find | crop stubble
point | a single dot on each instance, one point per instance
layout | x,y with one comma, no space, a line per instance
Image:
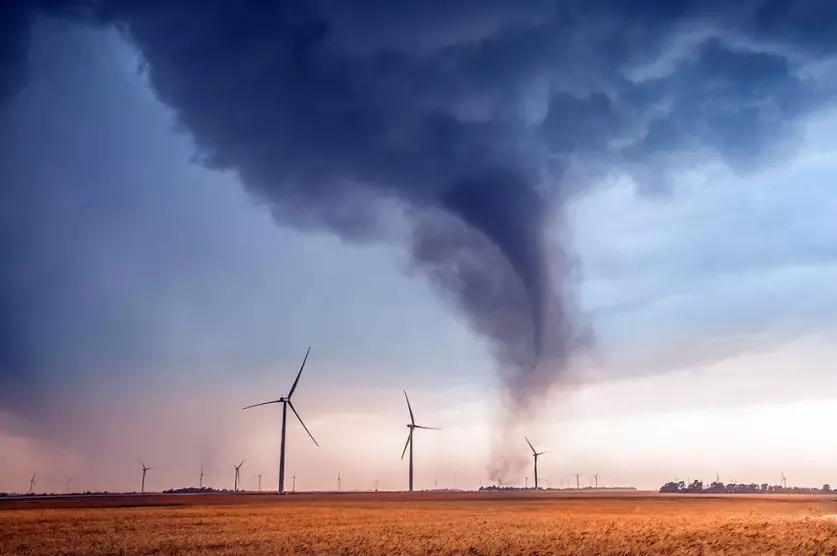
423,523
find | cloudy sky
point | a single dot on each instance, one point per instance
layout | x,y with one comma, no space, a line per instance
154,281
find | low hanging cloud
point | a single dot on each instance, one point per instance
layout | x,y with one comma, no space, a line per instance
480,119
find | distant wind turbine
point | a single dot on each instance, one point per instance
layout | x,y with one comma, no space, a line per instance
260,481
293,488
145,469
69,480
577,486
286,401
338,481
237,476
784,481
412,426
32,483
596,479
200,482
535,454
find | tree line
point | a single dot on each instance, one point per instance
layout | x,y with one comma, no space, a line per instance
717,487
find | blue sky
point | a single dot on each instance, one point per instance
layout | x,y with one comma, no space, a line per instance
182,299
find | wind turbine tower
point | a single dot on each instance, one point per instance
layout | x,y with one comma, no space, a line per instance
535,454
412,426
784,481
338,481
69,480
596,480
200,481
237,476
577,486
293,487
32,483
286,402
260,481
145,469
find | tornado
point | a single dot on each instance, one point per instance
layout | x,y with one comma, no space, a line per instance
482,120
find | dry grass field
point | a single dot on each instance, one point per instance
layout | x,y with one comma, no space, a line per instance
423,523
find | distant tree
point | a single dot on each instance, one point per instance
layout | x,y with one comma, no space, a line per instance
716,487
671,487
826,487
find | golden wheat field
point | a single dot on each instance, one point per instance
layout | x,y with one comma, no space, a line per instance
422,523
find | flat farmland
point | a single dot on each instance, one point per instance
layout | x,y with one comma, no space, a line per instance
607,523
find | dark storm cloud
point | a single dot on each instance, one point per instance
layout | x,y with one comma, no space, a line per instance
472,115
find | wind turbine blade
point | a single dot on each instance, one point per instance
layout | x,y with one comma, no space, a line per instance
258,404
299,374
410,409
142,463
530,445
427,428
301,422
409,438
541,453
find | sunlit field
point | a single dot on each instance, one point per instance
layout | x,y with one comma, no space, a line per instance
422,523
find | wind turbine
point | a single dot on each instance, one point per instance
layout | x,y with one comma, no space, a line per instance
32,483
200,482
535,454
596,479
260,481
145,469
577,475
293,488
286,401
237,476
784,481
69,480
338,481
412,426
